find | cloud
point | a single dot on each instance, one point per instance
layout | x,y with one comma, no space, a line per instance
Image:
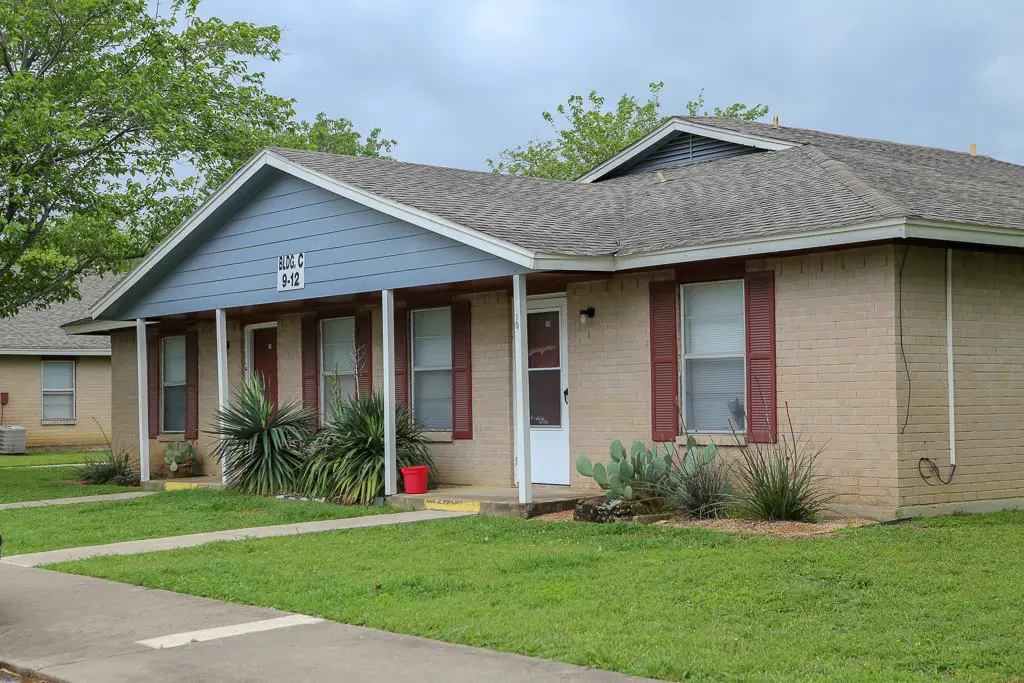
456,82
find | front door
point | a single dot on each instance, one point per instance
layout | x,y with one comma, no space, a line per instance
549,390
264,359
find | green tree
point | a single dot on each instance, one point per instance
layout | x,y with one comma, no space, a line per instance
585,134
103,103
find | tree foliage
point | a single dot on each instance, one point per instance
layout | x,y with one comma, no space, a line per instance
585,134
103,103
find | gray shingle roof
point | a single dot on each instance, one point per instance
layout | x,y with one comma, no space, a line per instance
827,181
32,329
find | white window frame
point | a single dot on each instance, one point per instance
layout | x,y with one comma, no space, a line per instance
73,391
413,367
684,356
164,384
324,373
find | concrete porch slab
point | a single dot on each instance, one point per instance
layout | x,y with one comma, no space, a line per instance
493,500
209,481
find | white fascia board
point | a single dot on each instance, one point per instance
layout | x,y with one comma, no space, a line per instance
442,226
949,231
604,264
221,195
54,352
92,326
854,234
676,125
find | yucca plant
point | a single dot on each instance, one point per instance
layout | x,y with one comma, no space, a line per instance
779,481
118,467
346,457
261,443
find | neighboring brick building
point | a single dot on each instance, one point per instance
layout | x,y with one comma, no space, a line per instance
707,277
56,386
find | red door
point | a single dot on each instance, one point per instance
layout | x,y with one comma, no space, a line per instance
264,359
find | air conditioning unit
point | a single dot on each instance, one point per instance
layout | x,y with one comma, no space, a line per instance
12,440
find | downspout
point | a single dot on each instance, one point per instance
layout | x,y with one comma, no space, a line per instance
949,358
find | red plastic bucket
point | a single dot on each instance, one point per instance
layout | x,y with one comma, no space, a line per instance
415,478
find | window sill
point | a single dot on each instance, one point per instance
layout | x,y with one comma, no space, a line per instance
720,439
171,437
438,437
58,423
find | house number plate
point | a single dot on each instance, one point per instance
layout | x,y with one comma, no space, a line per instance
291,272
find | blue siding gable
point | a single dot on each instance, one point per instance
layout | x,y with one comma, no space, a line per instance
349,249
683,149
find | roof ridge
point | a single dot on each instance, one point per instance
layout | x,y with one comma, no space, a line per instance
435,167
878,200
768,129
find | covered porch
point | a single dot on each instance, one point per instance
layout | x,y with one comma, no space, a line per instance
494,431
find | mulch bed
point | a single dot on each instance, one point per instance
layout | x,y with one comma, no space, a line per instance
746,526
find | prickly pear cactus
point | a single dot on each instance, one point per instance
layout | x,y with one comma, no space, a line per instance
631,475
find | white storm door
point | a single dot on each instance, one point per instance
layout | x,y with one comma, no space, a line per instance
547,355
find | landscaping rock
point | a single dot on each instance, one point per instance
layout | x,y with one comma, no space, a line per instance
602,510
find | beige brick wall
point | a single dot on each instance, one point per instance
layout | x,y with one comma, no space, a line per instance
988,342
609,366
289,359
836,365
21,378
124,412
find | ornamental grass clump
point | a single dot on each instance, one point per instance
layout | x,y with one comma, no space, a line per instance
261,444
698,483
117,467
346,458
779,480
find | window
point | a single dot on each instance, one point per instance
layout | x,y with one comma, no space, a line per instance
714,357
58,390
338,361
432,368
172,384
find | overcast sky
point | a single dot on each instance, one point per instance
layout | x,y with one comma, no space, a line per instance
456,82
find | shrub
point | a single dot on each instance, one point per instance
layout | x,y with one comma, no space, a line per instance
116,467
779,481
632,476
260,442
698,483
346,457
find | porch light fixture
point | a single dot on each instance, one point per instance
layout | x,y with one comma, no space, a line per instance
585,314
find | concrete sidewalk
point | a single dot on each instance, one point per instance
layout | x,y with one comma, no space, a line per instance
103,498
84,630
190,540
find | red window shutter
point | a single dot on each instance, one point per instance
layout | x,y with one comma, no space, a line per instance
191,385
310,364
402,358
364,353
664,361
153,384
462,372
761,401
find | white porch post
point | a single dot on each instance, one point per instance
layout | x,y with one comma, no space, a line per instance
390,457
520,392
222,374
142,377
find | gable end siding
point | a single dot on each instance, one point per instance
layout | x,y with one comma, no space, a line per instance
683,149
349,249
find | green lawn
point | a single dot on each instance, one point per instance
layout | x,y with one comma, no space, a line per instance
940,599
23,483
171,513
47,459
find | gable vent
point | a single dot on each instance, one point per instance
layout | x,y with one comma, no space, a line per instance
683,149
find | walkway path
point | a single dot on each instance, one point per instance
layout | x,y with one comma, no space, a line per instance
77,499
189,540
85,630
